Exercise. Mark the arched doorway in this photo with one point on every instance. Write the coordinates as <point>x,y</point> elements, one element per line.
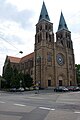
<point>60,81</point>
<point>49,81</point>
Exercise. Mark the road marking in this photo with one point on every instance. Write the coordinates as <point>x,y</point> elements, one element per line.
<point>36,97</point>
<point>20,105</point>
<point>77,112</point>
<point>2,102</point>
<point>46,108</point>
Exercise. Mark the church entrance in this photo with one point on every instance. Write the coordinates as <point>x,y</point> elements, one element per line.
<point>60,81</point>
<point>49,83</point>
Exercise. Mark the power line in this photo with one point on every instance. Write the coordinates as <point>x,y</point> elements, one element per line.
<point>21,52</point>
<point>8,42</point>
<point>74,15</point>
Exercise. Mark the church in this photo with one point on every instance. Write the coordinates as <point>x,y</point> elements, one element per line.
<point>52,63</point>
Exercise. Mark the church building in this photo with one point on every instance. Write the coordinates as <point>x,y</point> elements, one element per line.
<point>53,63</point>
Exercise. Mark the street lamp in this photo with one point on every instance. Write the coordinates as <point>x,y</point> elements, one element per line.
<point>21,52</point>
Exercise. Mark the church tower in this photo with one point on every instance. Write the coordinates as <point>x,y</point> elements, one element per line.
<point>44,51</point>
<point>64,56</point>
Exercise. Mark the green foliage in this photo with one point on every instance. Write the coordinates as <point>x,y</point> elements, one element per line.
<point>28,80</point>
<point>8,74</point>
<point>2,82</point>
<point>78,73</point>
<point>16,79</point>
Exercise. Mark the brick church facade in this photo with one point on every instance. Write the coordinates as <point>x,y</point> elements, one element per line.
<point>52,63</point>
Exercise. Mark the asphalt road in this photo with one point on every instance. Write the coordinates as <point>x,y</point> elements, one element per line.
<point>47,105</point>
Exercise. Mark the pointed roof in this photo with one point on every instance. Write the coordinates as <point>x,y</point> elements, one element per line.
<point>19,60</point>
<point>44,13</point>
<point>27,57</point>
<point>14,59</point>
<point>62,23</point>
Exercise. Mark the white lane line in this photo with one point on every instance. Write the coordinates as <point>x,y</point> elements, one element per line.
<point>77,112</point>
<point>20,105</point>
<point>2,102</point>
<point>46,108</point>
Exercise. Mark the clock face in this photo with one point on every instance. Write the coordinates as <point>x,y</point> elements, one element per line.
<point>60,59</point>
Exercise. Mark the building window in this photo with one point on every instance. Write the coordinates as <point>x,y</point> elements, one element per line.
<point>61,42</point>
<point>46,36</point>
<point>31,72</point>
<point>61,36</point>
<point>38,39</point>
<point>49,38</point>
<point>68,44</point>
<point>70,83</point>
<point>46,27</point>
<point>50,28</point>
<point>49,58</point>
<point>40,27</point>
<point>40,36</point>
<point>37,29</point>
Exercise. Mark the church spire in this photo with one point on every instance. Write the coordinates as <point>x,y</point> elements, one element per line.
<point>44,13</point>
<point>62,23</point>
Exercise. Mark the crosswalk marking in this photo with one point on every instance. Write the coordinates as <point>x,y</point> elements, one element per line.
<point>20,105</point>
<point>77,112</point>
<point>2,102</point>
<point>45,108</point>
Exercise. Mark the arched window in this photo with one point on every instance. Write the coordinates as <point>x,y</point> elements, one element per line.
<point>40,27</point>
<point>49,38</point>
<point>38,39</point>
<point>61,36</point>
<point>37,29</point>
<point>61,42</point>
<point>46,36</point>
<point>46,27</point>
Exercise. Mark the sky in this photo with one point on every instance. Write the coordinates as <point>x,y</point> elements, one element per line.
<point>19,17</point>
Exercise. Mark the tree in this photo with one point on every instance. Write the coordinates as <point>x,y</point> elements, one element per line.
<point>7,74</point>
<point>2,82</point>
<point>21,80</point>
<point>28,80</point>
<point>78,73</point>
<point>15,79</point>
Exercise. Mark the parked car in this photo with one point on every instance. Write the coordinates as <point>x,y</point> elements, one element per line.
<point>73,88</point>
<point>60,89</point>
<point>21,89</point>
<point>13,89</point>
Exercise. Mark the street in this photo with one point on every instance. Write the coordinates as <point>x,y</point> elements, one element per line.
<point>47,105</point>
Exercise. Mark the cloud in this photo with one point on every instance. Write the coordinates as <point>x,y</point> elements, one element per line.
<point>19,17</point>
<point>10,12</point>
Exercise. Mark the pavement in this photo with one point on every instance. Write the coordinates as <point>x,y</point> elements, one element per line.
<point>45,105</point>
